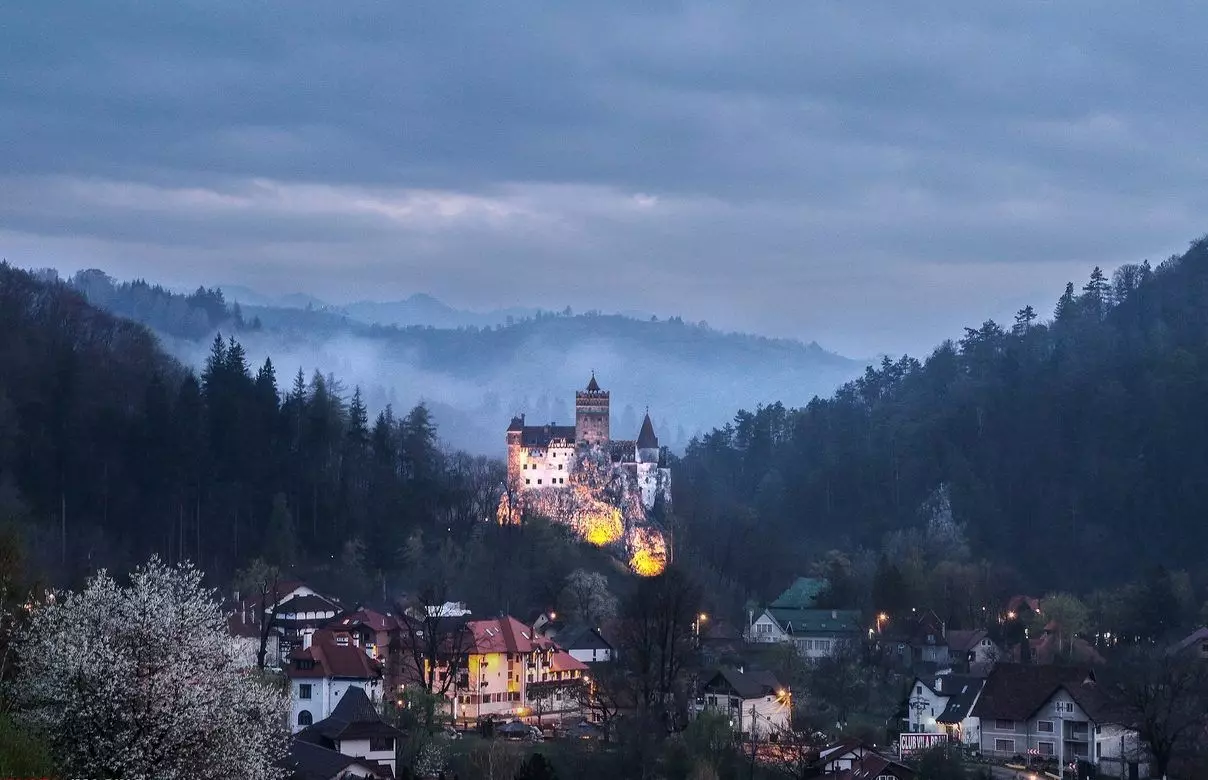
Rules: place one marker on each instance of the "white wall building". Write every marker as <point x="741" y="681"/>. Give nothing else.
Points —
<point x="322" y="672"/>
<point x="755" y="702"/>
<point x="944" y="704"/>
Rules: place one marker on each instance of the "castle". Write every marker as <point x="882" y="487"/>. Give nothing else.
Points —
<point x="546" y="456"/>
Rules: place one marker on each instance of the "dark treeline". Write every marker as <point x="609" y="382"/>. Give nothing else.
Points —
<point x="1072" y="451"/>
<point x="111" y="451"/>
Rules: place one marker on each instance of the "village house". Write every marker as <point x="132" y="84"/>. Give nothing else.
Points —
<point x="943" y="704"/>
<point x="322" y="671"/>
<point x="301" y="614"/>
<point x="841" y="756"/>
<point x="795" y="618"/>
<point x="355" y="729"/>
<point x="973" y="651"/>
<point x="756" y="703"/>
<point x="308" y="761"/>
<point x="876" y="767"/>
<point x="504" y="659"/>
<point x="366" y="629"/>
<point x="584" y="643"/>
<point x="1053" y="711"/>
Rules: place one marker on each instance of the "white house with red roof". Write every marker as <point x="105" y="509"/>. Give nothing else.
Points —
<point x="515" y="672"/>
<point x="322" y="671"/>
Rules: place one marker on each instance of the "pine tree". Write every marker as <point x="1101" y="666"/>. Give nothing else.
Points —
<point x="1065" y="308"/>
<point x="281" y="537"/>
<point x="1023" y="320"/>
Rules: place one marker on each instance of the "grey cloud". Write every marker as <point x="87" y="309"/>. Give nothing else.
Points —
<point x="863" y="172"/>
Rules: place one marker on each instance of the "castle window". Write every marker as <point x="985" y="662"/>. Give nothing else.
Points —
<point x="538" y="482"/>
<point x="559" y="467"/>
<point x="528" y="482"/>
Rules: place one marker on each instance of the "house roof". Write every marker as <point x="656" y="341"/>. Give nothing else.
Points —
<point x="802" y="594"/>
<point x="817" y="622"/>
<point x="309" y="761"/>
<point x="333" y="660"/>
<point x="311" y="602"/>
<point x="646" y="437"/>
<point x="874" y="765"/>
<point x="505" y="635"/>
<point x="1018" y="691"/>
<point x="565" y="662"/>
<point x="592" y="385"/>
<point x="962" y="691"/>
<point x="748" y="685"/>
<point x="371" y="619"/>
<point x="961" y="642"/>
<point x="579" y="636"/>
<point x="517" y="424"/>
<point x="245" y="625"/>
<point x="354" y="717"/>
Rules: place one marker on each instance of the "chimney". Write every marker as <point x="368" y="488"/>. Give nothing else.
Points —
<point x="939" y="684"/>
<point x="834" y="614"/>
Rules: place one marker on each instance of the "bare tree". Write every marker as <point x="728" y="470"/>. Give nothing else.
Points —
<point x="264" y="583"/>
<point x="1164" y="696"/>
<point x="604" y="695"/>
<point x="657" y="638"/>
<point x="432" y="646"/>
<point x="586" y="596"/>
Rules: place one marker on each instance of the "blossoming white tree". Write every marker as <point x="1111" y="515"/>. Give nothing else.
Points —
<point x="143" y="681"/>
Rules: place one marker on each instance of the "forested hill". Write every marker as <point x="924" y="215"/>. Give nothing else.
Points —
<point x="475" y="378"/>
<point x="1073" y="451"/>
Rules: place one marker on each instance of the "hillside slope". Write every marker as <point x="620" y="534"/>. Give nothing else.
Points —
<point x="1074" y="451"/>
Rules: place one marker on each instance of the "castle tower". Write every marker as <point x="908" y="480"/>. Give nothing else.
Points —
<point x="515" y="441"/>
<point x="591" y="414"/>
<point x="647" y="443"/>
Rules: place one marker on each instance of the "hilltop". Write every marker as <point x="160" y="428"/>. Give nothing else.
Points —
<point x="474" y="377"/>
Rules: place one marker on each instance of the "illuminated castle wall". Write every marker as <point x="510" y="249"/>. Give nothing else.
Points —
<point x="579" y="475"/>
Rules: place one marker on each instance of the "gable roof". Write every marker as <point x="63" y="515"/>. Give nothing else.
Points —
<point x="817" y="622"/>
<point x="579" y="636"/>
<point x="1018" y="691"/>
<point x="505" y="635"/>
<point x="874" y="765"/>
<point x="354" y="717"/>
<point x="962" y="691"/>
<point x="333" y="660"/>
<point x="310" y="602"/>
<point x="543" y="435"/>
<point x="802" y="594"/>
<point x="748" y="685"/>
<point x="961" y="642"/>
<point x="309" y="761"/>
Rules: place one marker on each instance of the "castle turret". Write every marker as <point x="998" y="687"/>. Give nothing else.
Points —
<point x="515" y="440"/>
<point x="591" y="414"/>
<point x="647" y="443"/>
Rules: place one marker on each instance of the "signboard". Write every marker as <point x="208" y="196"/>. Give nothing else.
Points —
<point x="912" y="743"/>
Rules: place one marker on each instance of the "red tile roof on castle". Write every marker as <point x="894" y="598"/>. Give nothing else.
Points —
<point x="332" y="660"/>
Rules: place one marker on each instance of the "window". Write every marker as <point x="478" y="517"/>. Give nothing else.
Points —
<point x="1065" y="706"/>
<point x="342" y="640"/>
<point x="528" y="482"/>
<point x="381" y="744"/>
<point x="918" y="689"/>
<point x="538" y="482"/>
<point x="305" y="718"/>
<point x="1004" y="746"/>
<point x="1044" y="726"/>
<point x="559" y="467"/>
<point x="304" y="691"/>
<point x="1045" y="748"/>
<point x="1004" y="725"/>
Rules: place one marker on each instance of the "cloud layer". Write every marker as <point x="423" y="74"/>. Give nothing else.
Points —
<point x="870" y="175"/>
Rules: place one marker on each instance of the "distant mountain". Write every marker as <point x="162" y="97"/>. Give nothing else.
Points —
<point x="418" y="309"/>
<point x="475" y="377"/>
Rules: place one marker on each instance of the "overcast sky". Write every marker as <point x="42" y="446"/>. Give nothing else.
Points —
<point x="870" y="175"/>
